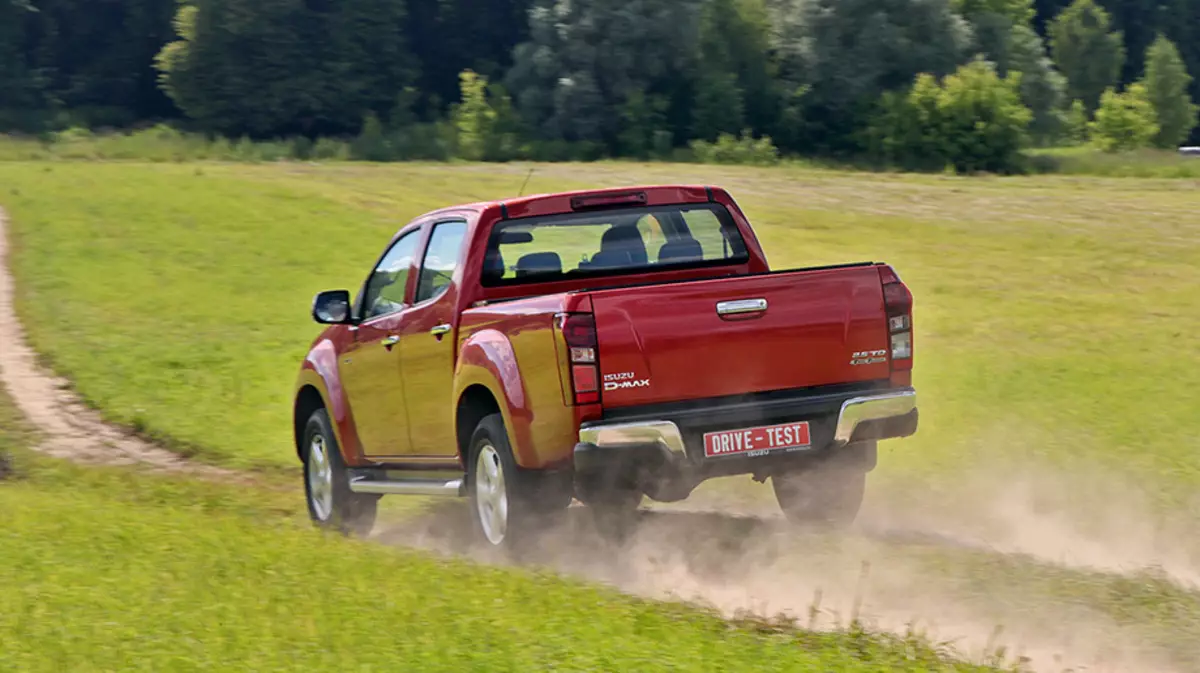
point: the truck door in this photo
(428, 344)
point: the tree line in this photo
(916, 83)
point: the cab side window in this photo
(441, 259)
(385, 288)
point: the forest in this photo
(911, 83)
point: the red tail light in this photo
(579, 333)
(898, 303)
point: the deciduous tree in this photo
(1167, 81)
(1085, 51)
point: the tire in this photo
(331, 503)
(509, 504)
(613, 507)
(826, 496)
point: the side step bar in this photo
(409, 485)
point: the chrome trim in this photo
(871, 408)
(391, 340)
(634, 434)
(439, 330)
(408, 486)
(396, 474)
(737, 306)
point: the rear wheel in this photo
(508, 503)
(613, 506)
(331, 503)
(827, 495)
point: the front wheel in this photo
(331, 503)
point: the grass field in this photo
(1056, 323)
(110, 569)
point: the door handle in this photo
(439, 330)
(740, 306)
(390, 341)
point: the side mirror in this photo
(332, 307)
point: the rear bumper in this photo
(882, 416)
(659, 453)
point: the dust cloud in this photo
(1083, 518)
(976, 563)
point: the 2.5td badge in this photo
(867, 358)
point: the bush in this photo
(422, 142)
(1124, 121)
(371, 143)
(983, 118)
(302, 148)
(973, 121)
(326, 149)
(1076, 123)
(730, 149)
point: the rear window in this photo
(607, 242)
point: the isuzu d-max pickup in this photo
(601, 346)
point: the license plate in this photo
(757, 441)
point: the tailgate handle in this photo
(739, 306)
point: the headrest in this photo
(683, 250)
(611, 259)
(625, 237)
(539, 262)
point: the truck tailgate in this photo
(669, 343)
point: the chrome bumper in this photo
(643, 433)
(871, 408)
(853, 413)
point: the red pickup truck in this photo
(606, 346)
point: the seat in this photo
(625, 238)
(538, 263)
(682, 250)
(609, 259)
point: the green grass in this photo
(161, 144)
(112, 569)
(1052, 314)
(1145, 163)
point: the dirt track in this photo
(67, 427)
(750, 561)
